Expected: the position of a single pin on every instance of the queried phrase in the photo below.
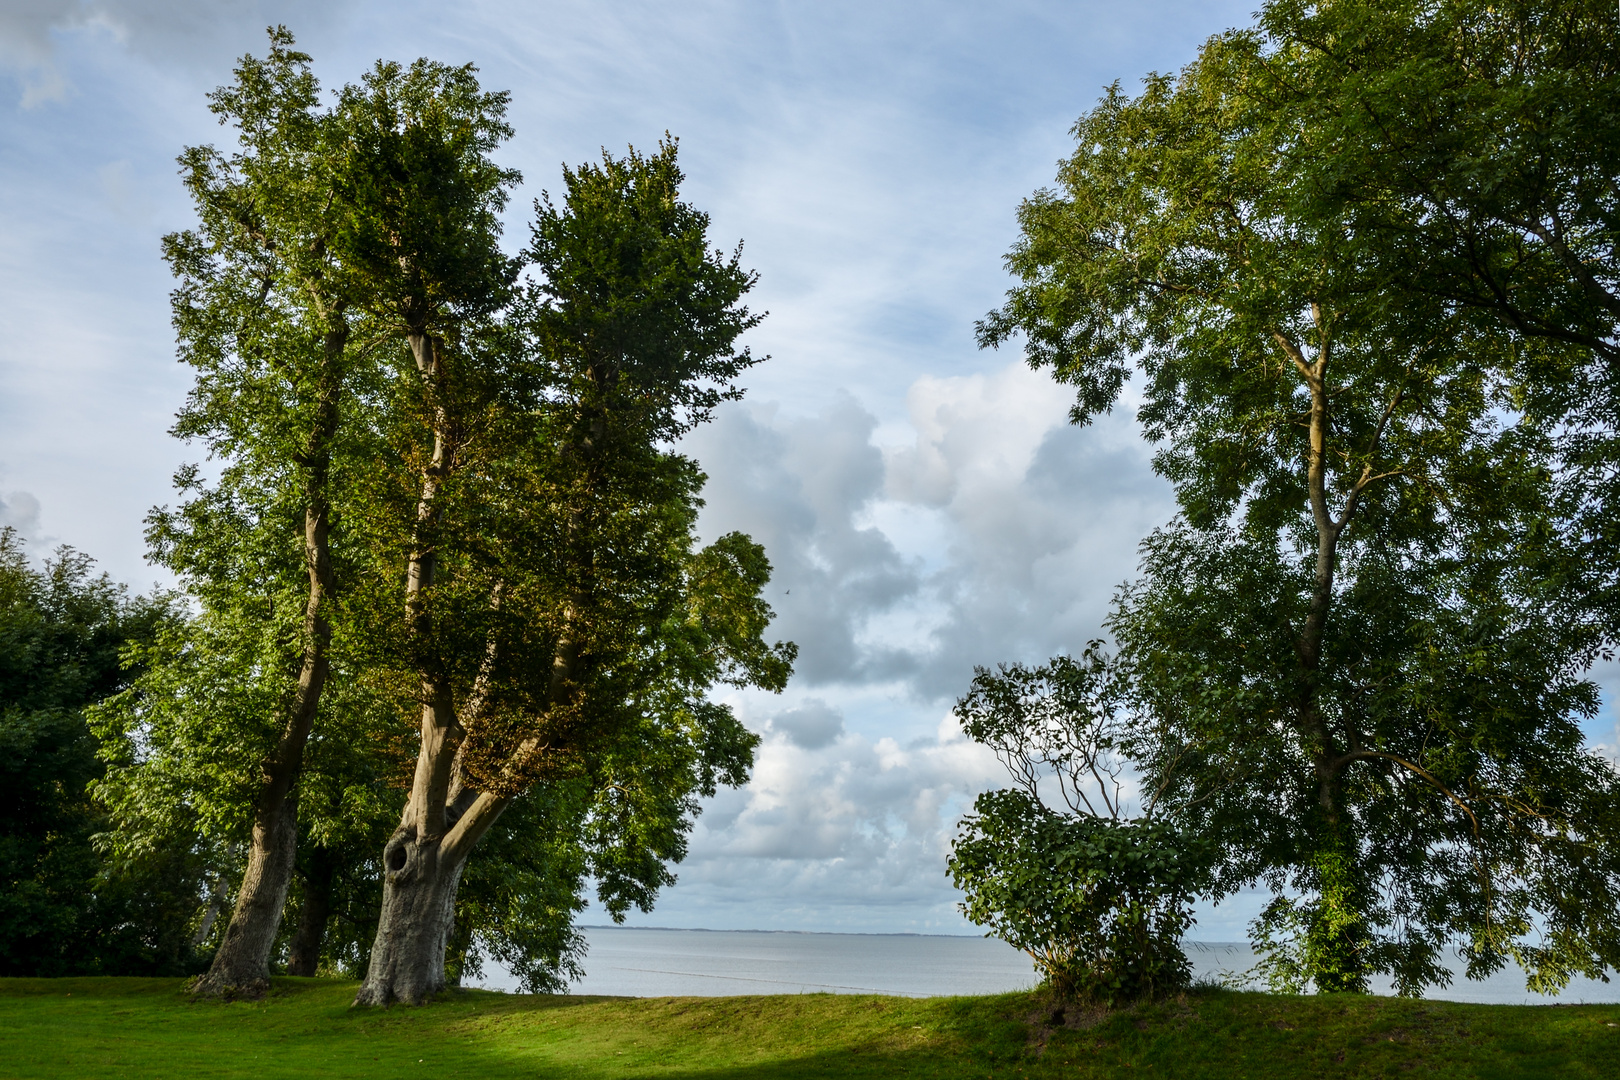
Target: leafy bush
(1100, 904)
(1098, 897)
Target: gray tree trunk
(241, 967)
(423, 860)
(418, 913)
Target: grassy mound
(138, 1028)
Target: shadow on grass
(142, 1028)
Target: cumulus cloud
(838, 834)
(1040, 518)
(997, 532)
(798, 486)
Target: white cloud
(998, 532)
(843, 834)
(798, 485)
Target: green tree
(1355, 656)
(66, 909)
(263, 315)
(555, 616)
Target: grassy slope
(139, 1028)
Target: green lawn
(86, 1028)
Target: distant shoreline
(855, 933)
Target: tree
(66, 909)
(1097, 896)
(555, 616)
(1356, 657)
(1479, 144)
(264, 315)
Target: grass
(140, 1028)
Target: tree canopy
(1358, 655)
(64, 908)
(448, 534)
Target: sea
(652, 962)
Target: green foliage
(418, 197)
(1476, 144)
(630, 327)
(264, 315)
(1100, 900)
(634, 308)
(1474, 148)
(560, 611)
(64, 907)
(1356, 661)
(1059, 722)
(363, 352)
(1100, 904)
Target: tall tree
(1355, 659)
(558, 627)
(263, 315)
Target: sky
(925, 504)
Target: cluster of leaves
(68, 906)
(1099, 904)
(1367, 277)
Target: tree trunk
(1335, 934)
(241, 967)
(304, 954)
(420, 880)
(420, 874)
(424, 859)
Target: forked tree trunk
(241, 967)
(423, 860)
(418, 912)
(1335, 936)
(420, 874)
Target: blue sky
(925, 504)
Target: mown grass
(139, 1028)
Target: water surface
(646, 962)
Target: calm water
(716, 963)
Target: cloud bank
(989, 530)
